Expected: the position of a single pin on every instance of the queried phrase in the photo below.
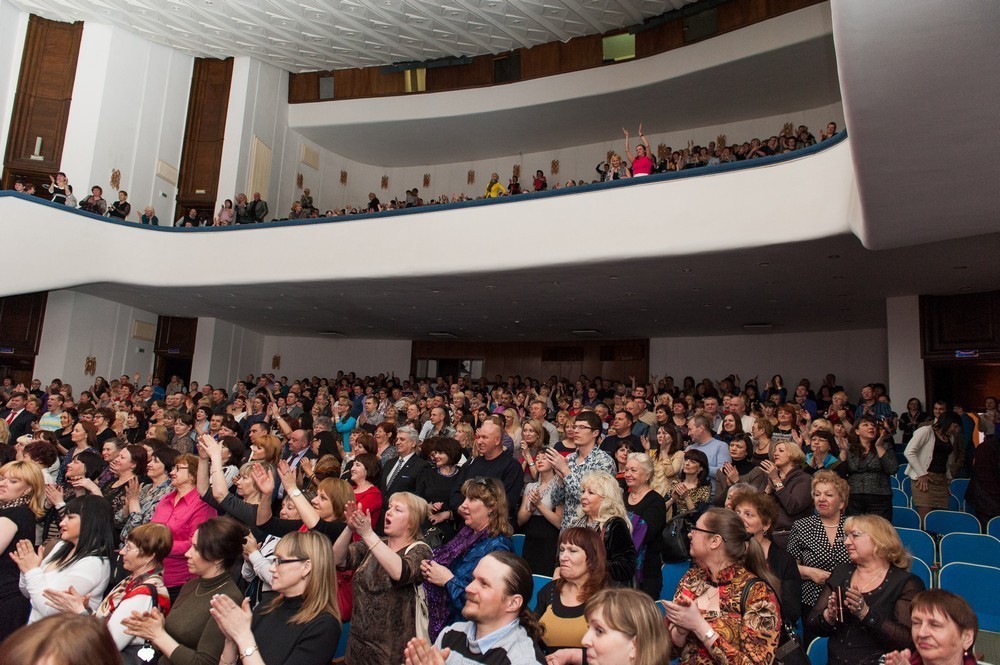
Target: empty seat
(958, 487)
(922, 570)
(899, 499)
(970, 548)
(920, 543)
(978, 585)
(540, 581)
(817, 651)
(905, 517)
(519, 544)
(993, 527)
(942, 522)
(672, 574)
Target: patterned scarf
(23, 500)
(438, 600)
(137, 585)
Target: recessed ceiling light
(763, 264)
(961, 267)
(758, 326)
(441, 333)
(686, 269)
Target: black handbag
(676, 544)
(789, 651)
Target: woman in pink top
(642, 163)
(182, 511)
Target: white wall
(906, 363)
(308, 356)
(224, 352)
(13, 28)
(129, 110)
(258, 106)
(77, 325)
(857, 357)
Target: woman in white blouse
(80, 560)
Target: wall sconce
(90, 366)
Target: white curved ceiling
(316, 35)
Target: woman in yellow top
(494, 189)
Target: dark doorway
(167, 366)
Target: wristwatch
(249, 651)
(295, 493)
(709, 634)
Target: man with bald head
(494, 461)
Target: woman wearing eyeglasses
(725, 609)
(300, 626)
(142, 556)
(864, 607)
(449, 571)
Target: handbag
(676, 543)
(789, 651)
(422, 616)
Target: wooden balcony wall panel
(477, 73)
(43, 96)
(964, 322)
(530, 359)
(21, 323)
(201, 156)
(543, 60)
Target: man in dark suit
(299, 448)
(402, 474)
(18, 418)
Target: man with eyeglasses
(588, 457)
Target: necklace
(217, 586)
(873, 580)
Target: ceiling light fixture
(442, 334)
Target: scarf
(438, 599)
(137, 585)
(19, 501)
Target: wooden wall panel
(479, 72)
(176, 335)
(21, 323)
(966, 322)
(201, 156)
(541, 360)
(43, 97)
(541, 60)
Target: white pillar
(906, 363)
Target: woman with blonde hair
(603, 510)
(22, 502)
(387, 574)
(624, 628)
(864, 607)
(788, 482)
(302, 624)
(668, 458)
(531, 438)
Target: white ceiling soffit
(921, 87)
(341, 34)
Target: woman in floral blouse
(725, 610)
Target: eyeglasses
(711, 533)
(856, 534)
(581, 427)
(278, 561)
(128, 547)
(484, 482)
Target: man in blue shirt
(700, 431)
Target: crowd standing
(210, 524)
(643, 162)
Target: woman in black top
(302, 625)
(437, 483)
(22, 502)
(911, 419)
(644, 501)
(864, 607)
(759, 512)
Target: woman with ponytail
(725, 609)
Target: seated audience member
(560, 606)
(301, 625)
(602, 509)
(587, 457)
(943, 628)
(121, 208)
(540, 517)
(448, 572)
(189, 635)
(83, 640)
(864, 607)
(624, 628)
(493, 461)
(386, 581)
(81, 558)
(691, 490)
(142, 590)
(437, 483)
(22, 503)
(499, 626)
(759, 512)
(182, 511)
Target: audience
(428, 572)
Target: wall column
(906, 363)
